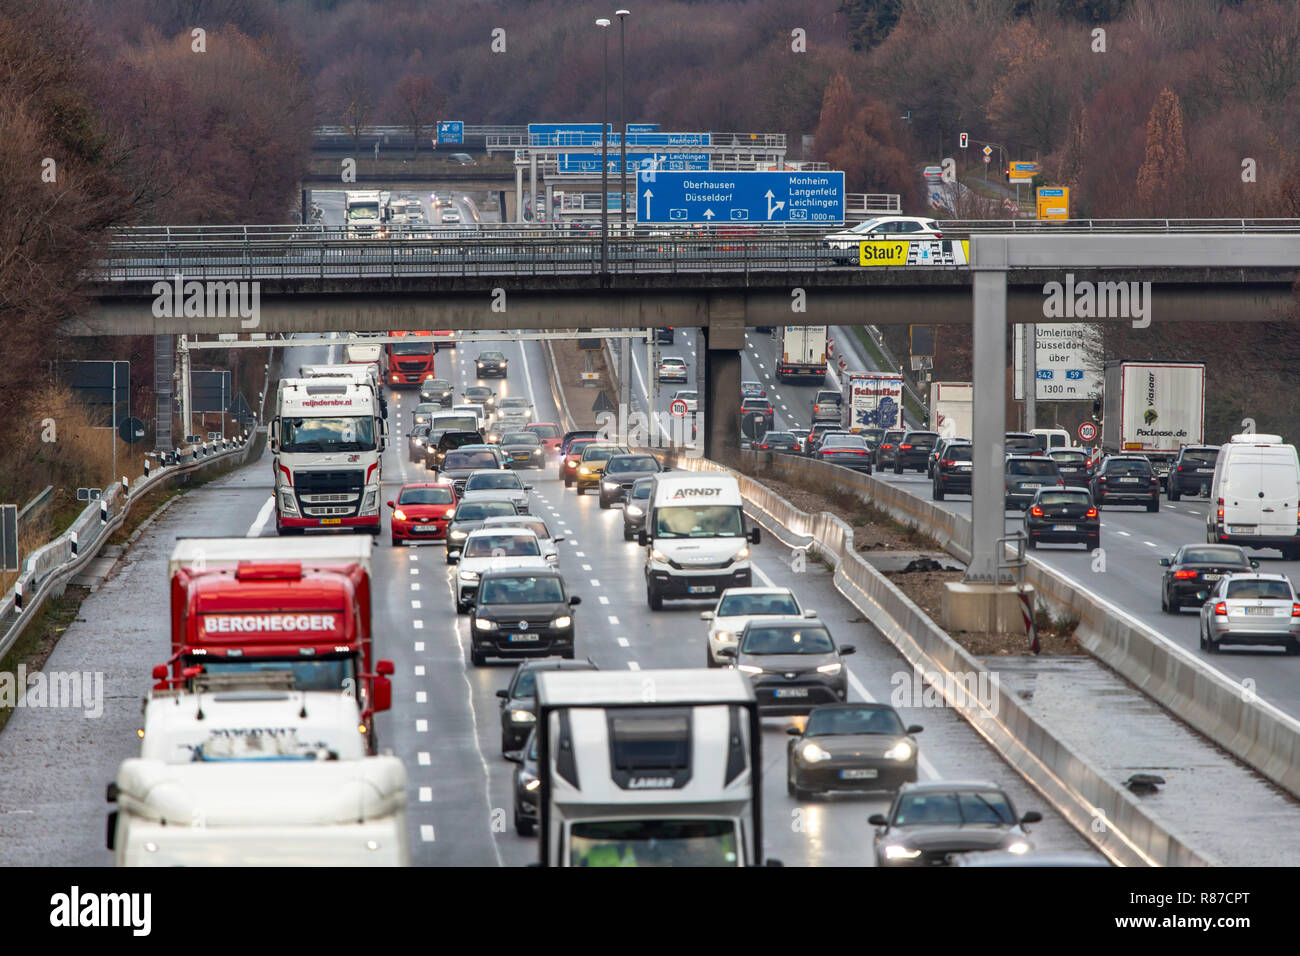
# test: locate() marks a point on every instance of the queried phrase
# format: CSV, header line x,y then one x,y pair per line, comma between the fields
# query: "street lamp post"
x,y
604,155
622,117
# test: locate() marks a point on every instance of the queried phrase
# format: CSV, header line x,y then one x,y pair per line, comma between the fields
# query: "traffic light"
x,y
963,140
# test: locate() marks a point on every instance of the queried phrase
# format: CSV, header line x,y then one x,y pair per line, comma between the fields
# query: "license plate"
x,y
792,692
424,528
1129,481
701,589
1067,527
515,638
857,774
1030,484
1211,577
331,520
1205,471
963,467
1259,611
1241,529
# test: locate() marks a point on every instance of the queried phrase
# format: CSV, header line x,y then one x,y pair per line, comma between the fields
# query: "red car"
x,y
422,511
569,463
550,434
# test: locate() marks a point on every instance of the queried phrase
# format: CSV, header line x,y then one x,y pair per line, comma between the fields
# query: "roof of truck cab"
x,y
199,553
629,688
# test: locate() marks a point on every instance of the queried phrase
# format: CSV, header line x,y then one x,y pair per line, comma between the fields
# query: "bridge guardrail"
x,y
54,563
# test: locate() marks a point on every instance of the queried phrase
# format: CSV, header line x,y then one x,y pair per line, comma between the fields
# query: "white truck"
x,y
363,213
952,408
1153,409
241,812
695,538
364,373
648,768
871,400
327,439
801,353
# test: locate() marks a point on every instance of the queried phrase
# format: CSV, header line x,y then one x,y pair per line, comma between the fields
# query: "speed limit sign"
x,y
1087,431
678,407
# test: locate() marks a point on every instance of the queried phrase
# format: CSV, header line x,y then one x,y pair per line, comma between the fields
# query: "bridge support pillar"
x,y
718,368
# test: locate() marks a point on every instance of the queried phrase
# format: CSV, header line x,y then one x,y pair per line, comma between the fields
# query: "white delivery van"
x,y
695,536
1050,439
260,813
1255,494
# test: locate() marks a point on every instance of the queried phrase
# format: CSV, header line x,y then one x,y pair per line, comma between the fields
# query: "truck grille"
x,y
410,366
350,482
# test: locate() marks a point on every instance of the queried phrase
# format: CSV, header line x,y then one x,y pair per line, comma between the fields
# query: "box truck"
x,y
801,353
952,408
871,400
1153,409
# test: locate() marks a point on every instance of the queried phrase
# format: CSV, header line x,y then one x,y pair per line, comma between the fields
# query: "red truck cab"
x,y
410,363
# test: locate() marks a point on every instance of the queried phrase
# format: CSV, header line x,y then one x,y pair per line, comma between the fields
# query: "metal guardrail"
x,y
36,506
58,560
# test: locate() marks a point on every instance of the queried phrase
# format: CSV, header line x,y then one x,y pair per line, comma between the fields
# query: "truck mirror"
x,y
514,756
384,668
382,691
160,672
756,535
1164,562
706,615
914,728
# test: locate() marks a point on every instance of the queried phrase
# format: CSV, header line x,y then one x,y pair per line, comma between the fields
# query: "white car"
x,y
690,396
502,481
499,547
537,526
672,368
513,411
882,227
738,606
451,217
933,174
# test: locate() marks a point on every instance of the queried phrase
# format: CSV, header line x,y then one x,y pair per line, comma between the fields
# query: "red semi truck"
x,y
250,605
410,363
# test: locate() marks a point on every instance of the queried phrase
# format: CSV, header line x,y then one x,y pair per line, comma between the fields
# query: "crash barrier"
x,y
48,569
1102,810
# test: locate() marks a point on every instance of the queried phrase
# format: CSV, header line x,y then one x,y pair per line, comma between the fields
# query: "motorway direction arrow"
x,y
784,197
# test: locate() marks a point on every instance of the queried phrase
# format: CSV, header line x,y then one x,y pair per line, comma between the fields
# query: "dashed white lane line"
x,y
421,697
263,516
586,567
418,625
1126,534
623,642
423,758
579,554
413,556
419,670
426,794
595,583
414,586
419,647
613,620
426,832
603,599
1149,544
633,666
415,570
421,726
415,605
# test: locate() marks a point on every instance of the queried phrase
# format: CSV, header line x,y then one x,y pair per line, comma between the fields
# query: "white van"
x,y
1256,494
696,538
1049,439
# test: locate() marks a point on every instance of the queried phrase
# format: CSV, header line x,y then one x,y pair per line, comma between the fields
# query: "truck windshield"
x,y
654,843
412,348
369,211
333,673
327,434
712,521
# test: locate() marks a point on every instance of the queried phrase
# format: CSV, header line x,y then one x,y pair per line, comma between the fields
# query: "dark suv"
x,y
914,451
449,441
1025,474
519,700
1073,465
1126,480
1192,471
521,612
888,447
1020,443
952,471
1062,516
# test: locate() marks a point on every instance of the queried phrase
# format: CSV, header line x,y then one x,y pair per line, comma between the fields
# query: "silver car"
x,y
506,483
1251,609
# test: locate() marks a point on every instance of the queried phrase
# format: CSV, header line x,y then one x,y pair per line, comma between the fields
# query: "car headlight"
x,y
469,576
523,716
1019,846
483,624
449,513
418,443
740,555
896,852
571,464
584,471
531,782
813,753
657,555
562,621
749,669
725,637
459,534
399,514
830,668
633,510
900,751
610,485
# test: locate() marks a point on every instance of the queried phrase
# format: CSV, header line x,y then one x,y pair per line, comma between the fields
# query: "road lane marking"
x,y
613,620
595,583
633,666
421,726
419,670
603,599
426,796
418,625
415,605
426,832
419,647
421,697
415,587
423,758
263,516
623,642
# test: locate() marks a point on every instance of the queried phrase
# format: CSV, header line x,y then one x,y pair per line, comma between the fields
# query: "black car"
x,y
482,396
490,364
1126,480
526,786
523,449
1024,474
887,448
778,441
1192,471
914,451
1072,463
664,335
621,472
1196,569
469,517
931,820
521,612
437,390
817,433
1062,516
450,440
847,450
953,470
635,506
1020,443
571,436
423,413
937,452
458,463
519,698
850,747
793,663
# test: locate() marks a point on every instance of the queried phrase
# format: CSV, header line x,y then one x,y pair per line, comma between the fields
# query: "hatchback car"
x,y
751,389
514,411
736,607
793,664
887,450
422,511
1195,569
483,397
1023,475
572,451
952,472
914,451
801,439
591,465
826,406
523,449
492,549
1192,472
519,697
932,174
929,821
847,450
451,217
665,335
470,516
635,506
759,406
850,747
672,369
1254,609
527,783
778,441
438,391
844,245
690,396
621,472
1072,463
496,479
493,364
535,524
1126,480
520,612
548,432
1020,443
459,464
1062,516
937,451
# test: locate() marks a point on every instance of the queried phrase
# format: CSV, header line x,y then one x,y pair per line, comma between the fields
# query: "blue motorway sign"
x,y
588,134
712,197
642,128
1045,375
668,139
590,162
451,132
1074,374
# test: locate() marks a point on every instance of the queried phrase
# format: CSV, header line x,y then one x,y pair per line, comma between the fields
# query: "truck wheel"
x,y
1164,601
653,598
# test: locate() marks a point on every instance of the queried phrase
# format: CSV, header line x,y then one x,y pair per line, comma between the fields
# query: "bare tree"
x,y
1166,152
419,105
355,103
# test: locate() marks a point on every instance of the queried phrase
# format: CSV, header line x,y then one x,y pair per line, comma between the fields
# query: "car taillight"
x,y
1295,610
904,447
1221,511
948,462
1060,482
817,408
1036,511
1180,467
1221,609
764,447
938,235
886,446
859,453
1092,513
1184,574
